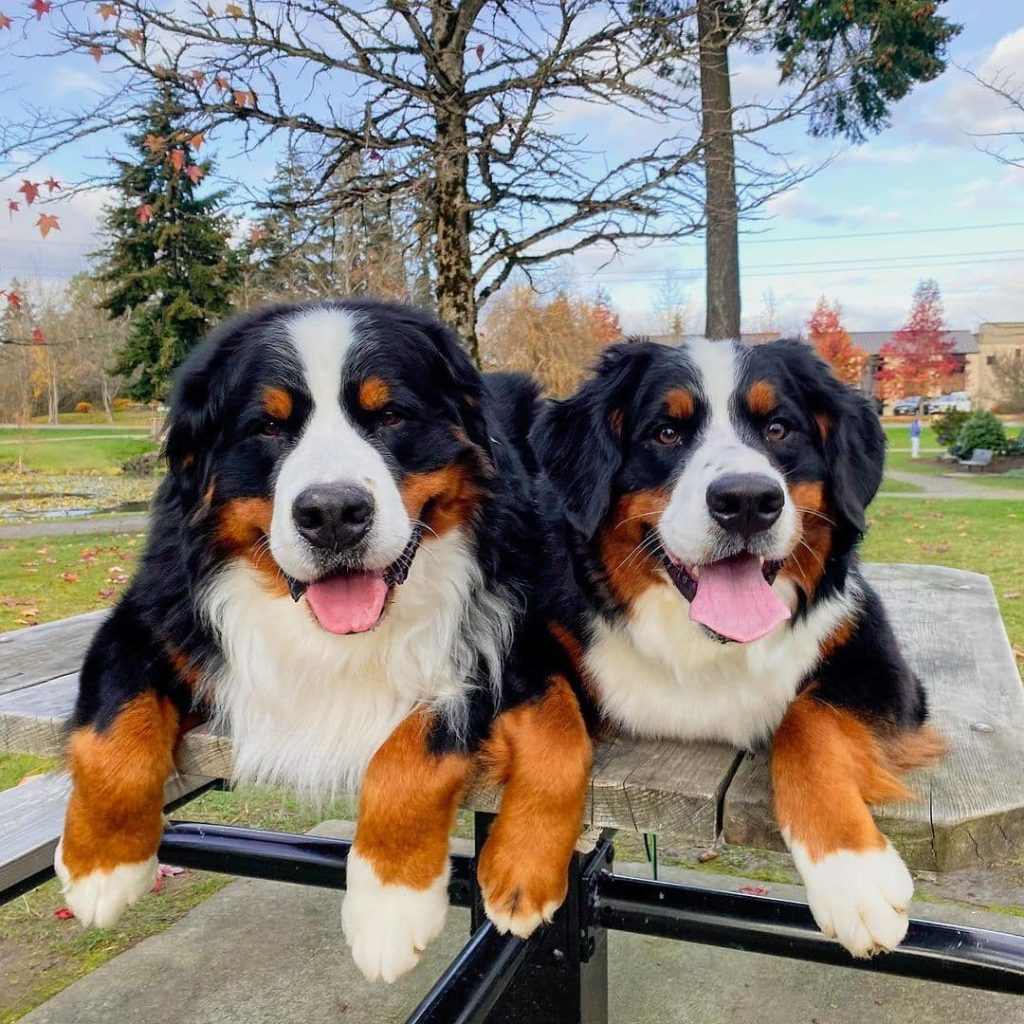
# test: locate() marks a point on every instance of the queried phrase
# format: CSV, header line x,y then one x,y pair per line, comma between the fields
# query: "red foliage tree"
x,y
831,342
919,359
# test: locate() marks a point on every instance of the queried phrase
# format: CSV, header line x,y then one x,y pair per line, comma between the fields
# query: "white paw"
x,y
859,898
389,926
99,897
521,924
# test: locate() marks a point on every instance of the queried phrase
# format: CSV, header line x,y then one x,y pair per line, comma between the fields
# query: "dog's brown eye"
x,y
667,435
777,430
389,418
270,428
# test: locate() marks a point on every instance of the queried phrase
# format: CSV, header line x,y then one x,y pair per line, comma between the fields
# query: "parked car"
x,y
958,400
909,406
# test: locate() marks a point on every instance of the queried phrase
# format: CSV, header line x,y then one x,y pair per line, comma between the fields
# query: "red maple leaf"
x,y
64,914
222,83
135,35
41,7
14,300
195,173
108,11
177,159
144,213
199,77
29,190
13,206
257,235
241,97
480,52
197,140
5,22
47,222
155,143
52,184
38,338
97,53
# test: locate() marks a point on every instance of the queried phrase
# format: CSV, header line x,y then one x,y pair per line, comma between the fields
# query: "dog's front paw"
x,y
389,926
860,898
99,897
520,894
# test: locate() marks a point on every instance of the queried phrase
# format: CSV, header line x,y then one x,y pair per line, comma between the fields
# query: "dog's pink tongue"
x,y
734,599
348,604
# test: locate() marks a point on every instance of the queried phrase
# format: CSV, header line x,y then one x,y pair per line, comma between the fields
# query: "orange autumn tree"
x,y
556,339
919,358
832,342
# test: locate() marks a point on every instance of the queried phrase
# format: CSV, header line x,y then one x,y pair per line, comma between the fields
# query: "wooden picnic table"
x,y
969,811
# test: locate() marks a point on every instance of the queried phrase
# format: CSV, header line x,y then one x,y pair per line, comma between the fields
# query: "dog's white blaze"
x,y
686,526
308,708
660,675
331,450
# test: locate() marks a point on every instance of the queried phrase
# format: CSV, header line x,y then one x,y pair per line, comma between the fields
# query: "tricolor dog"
x,y
339,574
708,500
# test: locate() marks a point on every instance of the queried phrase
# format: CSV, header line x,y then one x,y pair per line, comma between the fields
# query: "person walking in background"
x,y
915,438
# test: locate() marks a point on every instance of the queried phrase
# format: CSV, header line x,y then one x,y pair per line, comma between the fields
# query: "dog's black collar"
x,y
394,575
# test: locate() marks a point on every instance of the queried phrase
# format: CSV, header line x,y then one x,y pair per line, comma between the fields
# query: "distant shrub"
x,y
1014,445
145,464
947,427
120,404
83,407
981,430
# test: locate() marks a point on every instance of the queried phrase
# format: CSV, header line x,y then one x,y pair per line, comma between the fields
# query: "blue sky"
x,y
920,200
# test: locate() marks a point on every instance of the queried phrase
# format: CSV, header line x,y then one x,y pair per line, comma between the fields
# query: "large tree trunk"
x,y
721,209
453,264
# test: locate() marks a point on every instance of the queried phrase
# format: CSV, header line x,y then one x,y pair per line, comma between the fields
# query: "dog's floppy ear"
x,y
855,454
198,401
852,439
465,379
578,441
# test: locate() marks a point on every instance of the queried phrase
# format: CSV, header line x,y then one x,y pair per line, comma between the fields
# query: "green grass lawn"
x,y
71,451
49,578
890,486
984,536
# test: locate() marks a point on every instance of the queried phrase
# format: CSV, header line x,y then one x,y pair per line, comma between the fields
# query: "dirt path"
x,y
948,487
72,527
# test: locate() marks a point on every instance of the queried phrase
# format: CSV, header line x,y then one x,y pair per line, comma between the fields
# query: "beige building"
x,y
997,343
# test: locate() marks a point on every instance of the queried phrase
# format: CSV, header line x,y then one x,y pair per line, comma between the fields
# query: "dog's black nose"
x,y
745,503
333,516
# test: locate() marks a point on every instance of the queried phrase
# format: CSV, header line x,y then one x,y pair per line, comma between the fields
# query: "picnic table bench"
x,y
969,812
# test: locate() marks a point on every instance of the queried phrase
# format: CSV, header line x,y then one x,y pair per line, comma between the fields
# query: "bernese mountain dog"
x,y
338,574
710,498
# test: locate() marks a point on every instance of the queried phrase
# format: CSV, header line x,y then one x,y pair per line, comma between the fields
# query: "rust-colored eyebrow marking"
x,y
615,419
680,404
761,398
277,403
374,394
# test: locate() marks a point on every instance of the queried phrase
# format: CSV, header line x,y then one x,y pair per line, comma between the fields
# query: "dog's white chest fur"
x,y
659,675
308,709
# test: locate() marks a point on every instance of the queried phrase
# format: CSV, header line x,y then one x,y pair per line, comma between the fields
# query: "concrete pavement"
x,y
267,952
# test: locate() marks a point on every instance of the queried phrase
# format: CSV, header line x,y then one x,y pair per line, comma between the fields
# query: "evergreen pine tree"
x,y
168,261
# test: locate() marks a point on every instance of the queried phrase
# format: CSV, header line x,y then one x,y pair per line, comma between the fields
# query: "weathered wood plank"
x,y
32,816
38,653
970,807
32,720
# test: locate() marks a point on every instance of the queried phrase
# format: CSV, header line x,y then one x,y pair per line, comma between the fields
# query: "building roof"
x,y
964,342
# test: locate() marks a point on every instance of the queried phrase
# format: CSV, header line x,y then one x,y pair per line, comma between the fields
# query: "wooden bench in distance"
x,y
970,808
